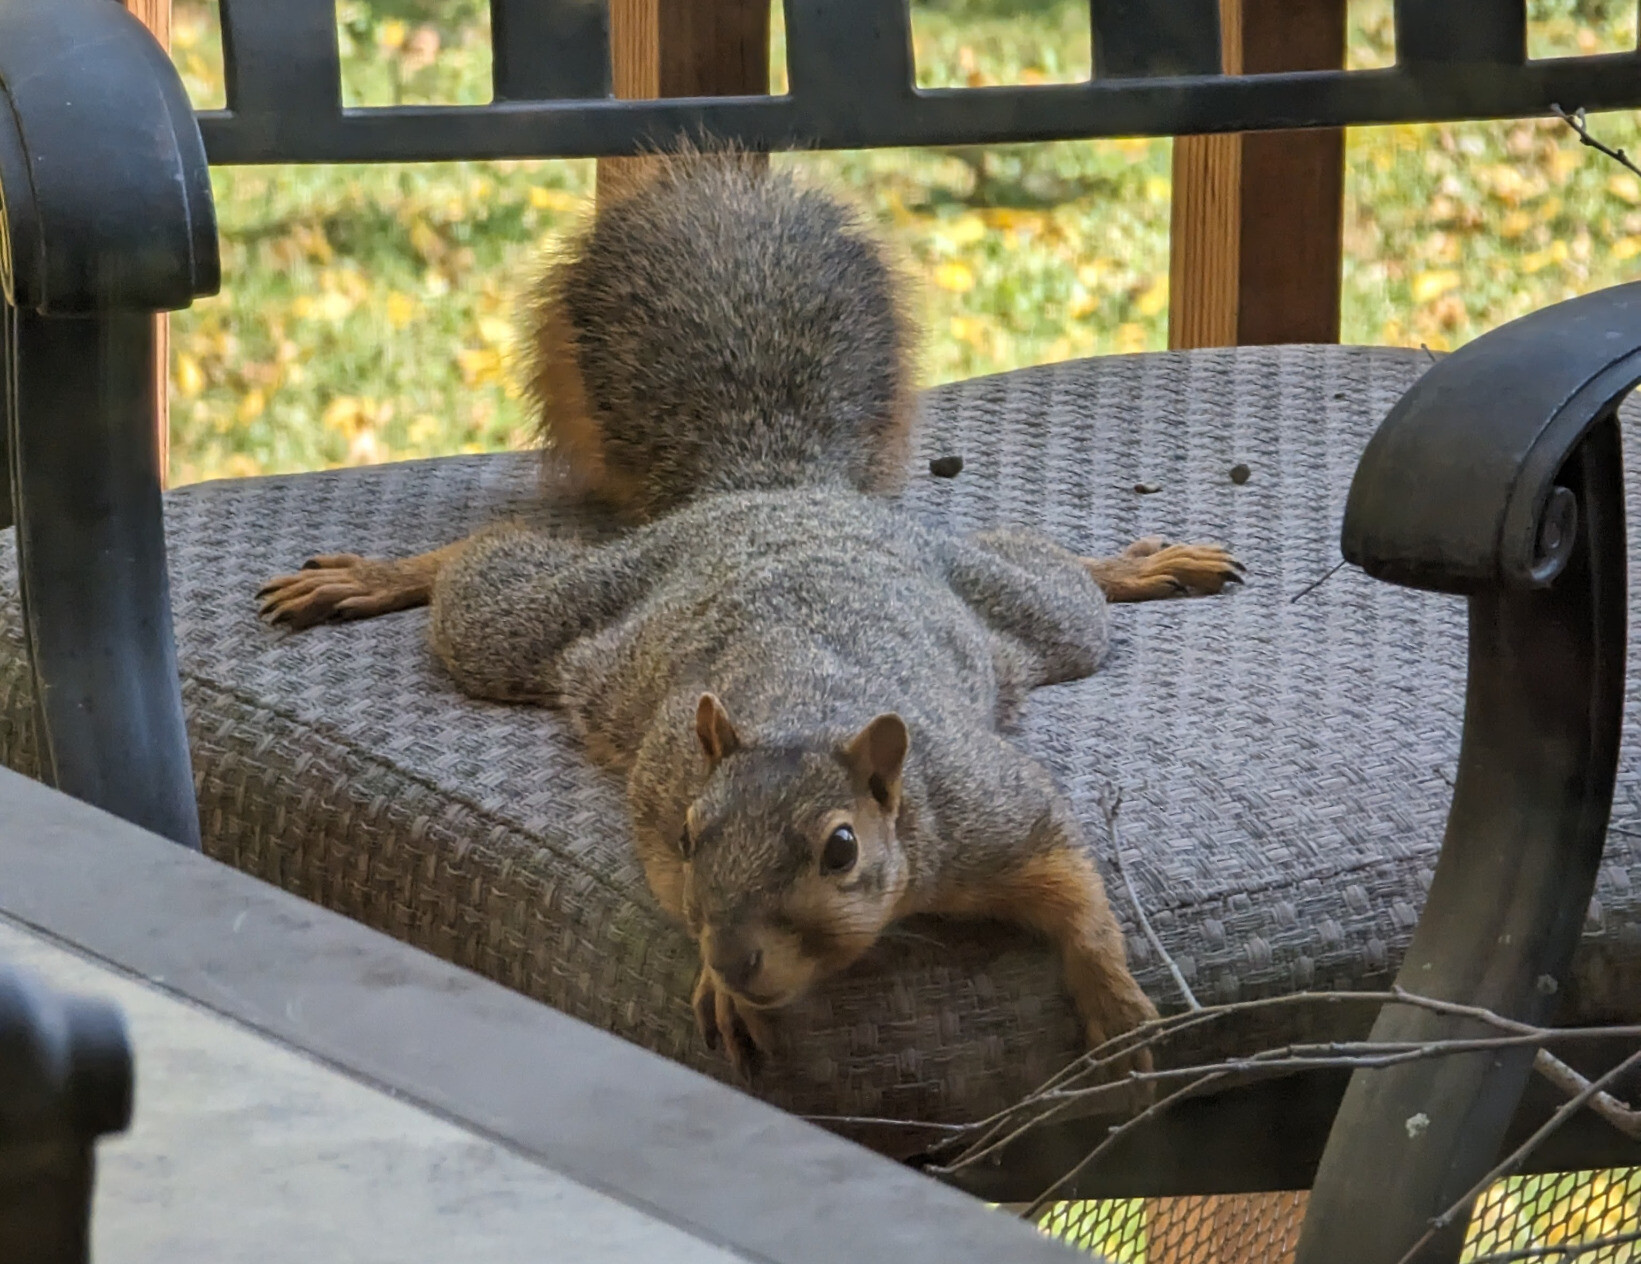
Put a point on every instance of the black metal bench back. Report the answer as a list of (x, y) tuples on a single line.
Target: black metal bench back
[(1157, 72)]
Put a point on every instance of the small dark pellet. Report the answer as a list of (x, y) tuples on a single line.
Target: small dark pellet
[(1240, 474), (946, 466), (1147, 489)]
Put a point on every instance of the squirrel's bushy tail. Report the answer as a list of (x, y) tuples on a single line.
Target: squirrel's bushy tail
[(722, 328)]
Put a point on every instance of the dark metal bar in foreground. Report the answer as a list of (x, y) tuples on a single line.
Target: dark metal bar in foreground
[(1497, 475)]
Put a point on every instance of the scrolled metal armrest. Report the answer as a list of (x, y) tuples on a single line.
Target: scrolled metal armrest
[(105, 197), (1457, 491)]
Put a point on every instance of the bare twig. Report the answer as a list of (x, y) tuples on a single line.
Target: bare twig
[(1563, 1251), (1109, 807), (1621, 1115), (1116, 1134), (1343, 1055), (1069, 1091), (1425, 347), (1309, 588), (1512, 1161), (1575, 120)]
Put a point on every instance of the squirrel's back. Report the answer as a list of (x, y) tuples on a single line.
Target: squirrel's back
[(723, 328)]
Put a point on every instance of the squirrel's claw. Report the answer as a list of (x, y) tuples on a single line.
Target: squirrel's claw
[(336, 586), (744, 1032)]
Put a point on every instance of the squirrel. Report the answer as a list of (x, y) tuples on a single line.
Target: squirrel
[(807, 689)]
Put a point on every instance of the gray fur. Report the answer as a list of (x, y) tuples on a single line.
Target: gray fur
[(711, 312), (808, 612)]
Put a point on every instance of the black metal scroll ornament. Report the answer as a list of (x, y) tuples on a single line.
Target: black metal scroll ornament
[(105, 200), (1498, 476)]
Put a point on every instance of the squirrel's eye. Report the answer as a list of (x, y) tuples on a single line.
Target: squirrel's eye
[(841, 851)]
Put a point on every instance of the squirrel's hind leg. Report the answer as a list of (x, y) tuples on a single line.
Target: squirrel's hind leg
[(1152, 570), (347, 586)]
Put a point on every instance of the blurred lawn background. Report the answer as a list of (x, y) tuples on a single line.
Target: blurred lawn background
[(366, 312)]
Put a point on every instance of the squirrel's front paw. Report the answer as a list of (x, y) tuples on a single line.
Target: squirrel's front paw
[(744, 1032), (332, 586)]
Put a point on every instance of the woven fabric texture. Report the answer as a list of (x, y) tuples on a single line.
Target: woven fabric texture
[(1282, 764)]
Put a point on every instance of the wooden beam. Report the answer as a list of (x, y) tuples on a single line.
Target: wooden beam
[(1258, 218), (156, 16), (683, 48)]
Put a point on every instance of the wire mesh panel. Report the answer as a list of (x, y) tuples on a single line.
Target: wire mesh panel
[(1587, 1217)]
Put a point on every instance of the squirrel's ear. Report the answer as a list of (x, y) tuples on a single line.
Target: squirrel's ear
[(876, 754), (712, 726)]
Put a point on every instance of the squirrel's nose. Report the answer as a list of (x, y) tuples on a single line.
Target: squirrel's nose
[(738, 969)]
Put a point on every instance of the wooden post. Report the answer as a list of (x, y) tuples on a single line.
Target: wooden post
[(156, 16), (1258, 218), (683, 48)]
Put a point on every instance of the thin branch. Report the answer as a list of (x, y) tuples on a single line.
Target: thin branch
[(1344, 1055), (1512, 1161), (878, 1121), (1311, 587), (1113, 1136), (1566, 1250), (1053, 1098), (1575, 120), (1109, 808), (1621, 1115)]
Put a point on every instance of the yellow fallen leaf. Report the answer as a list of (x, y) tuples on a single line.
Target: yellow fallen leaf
[(1158, 189), (1155, 298), (1626, 248), (1428, 286), (343, 413), (426, 242), (479, 365), (1554, 253), (1623, 185), (965, 231), (253, 405), (495, 331), (1514, 224), (1095, 273), (1082, 307), (241, 466), (955, 276), (1506, 183), (1015, 219), (364, 449), (1130, 338), (391, 34), (333, 306), (423, 430), (401, 309), (546, 199), (190, 377)]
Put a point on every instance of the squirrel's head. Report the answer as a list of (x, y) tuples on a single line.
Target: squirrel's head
[(792, 868)]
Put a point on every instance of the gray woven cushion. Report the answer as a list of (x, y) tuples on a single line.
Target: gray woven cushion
[(1281, 763)]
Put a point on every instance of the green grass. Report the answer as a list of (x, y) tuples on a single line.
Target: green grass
[(366, 311)]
